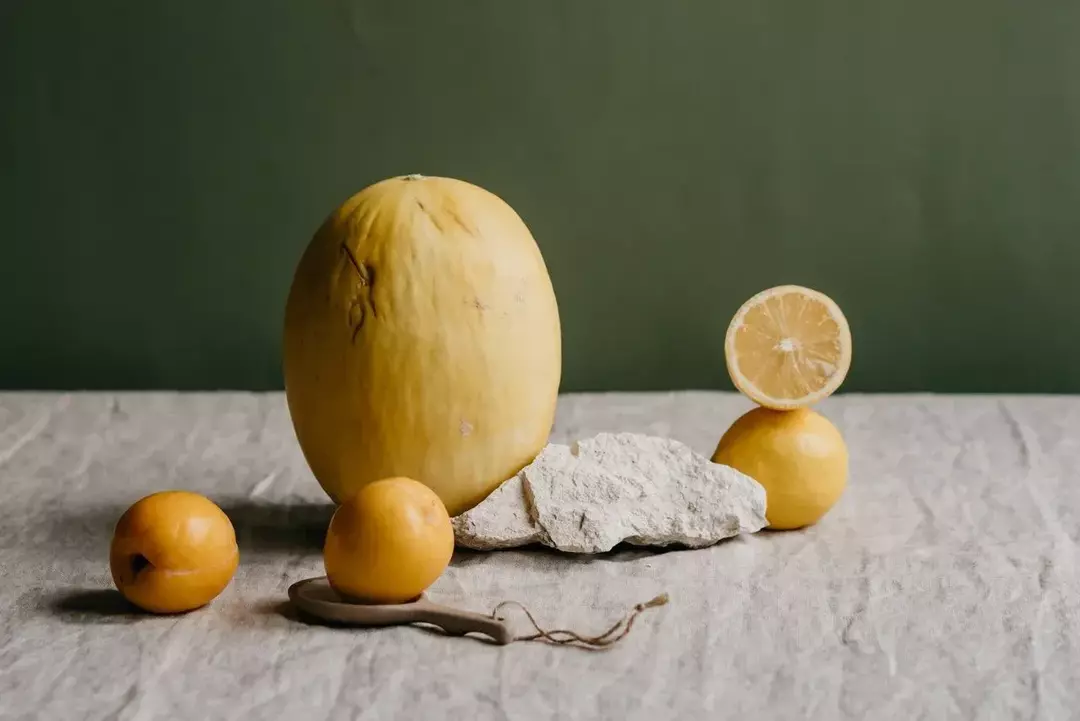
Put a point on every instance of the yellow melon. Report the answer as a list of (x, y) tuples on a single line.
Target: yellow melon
[(422, 339)]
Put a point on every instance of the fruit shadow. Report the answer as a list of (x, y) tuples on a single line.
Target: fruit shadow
[(278, 527), (92, 606), (297, 527)]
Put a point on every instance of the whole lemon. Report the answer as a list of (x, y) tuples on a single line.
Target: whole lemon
[(389, 542), (173, 551), (798, 456)]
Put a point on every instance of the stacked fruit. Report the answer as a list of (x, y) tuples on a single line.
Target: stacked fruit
[(786, 349)]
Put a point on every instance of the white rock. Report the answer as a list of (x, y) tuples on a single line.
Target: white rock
[(501, 521), (590, 496)]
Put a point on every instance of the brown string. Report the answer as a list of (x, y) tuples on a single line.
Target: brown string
[(563, 637)]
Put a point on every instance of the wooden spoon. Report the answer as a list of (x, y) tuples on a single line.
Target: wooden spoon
[(315, 597)]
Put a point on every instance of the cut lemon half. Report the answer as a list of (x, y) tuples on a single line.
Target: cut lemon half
[(788, 347)]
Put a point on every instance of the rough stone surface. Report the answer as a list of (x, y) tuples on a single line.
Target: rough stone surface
[(611, 488), (501, 521)]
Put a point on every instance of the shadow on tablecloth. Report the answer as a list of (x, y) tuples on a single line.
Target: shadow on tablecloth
[(83, 605), (261, 527)]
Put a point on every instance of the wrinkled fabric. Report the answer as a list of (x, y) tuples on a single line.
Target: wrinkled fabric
[(943, 585)]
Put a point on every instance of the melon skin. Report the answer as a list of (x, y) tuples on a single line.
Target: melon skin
[(422, 339)]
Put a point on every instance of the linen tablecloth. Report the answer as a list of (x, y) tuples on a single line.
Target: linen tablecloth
[(943, 585)]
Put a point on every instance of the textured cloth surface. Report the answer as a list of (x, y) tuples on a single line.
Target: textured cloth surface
[(943, 585)]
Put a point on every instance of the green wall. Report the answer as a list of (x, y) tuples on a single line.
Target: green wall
[(163, 164)]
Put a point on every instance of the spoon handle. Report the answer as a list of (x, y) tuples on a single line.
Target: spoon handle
[(457, 623)]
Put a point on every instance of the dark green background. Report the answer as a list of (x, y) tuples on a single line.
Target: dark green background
[(163, 164)]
